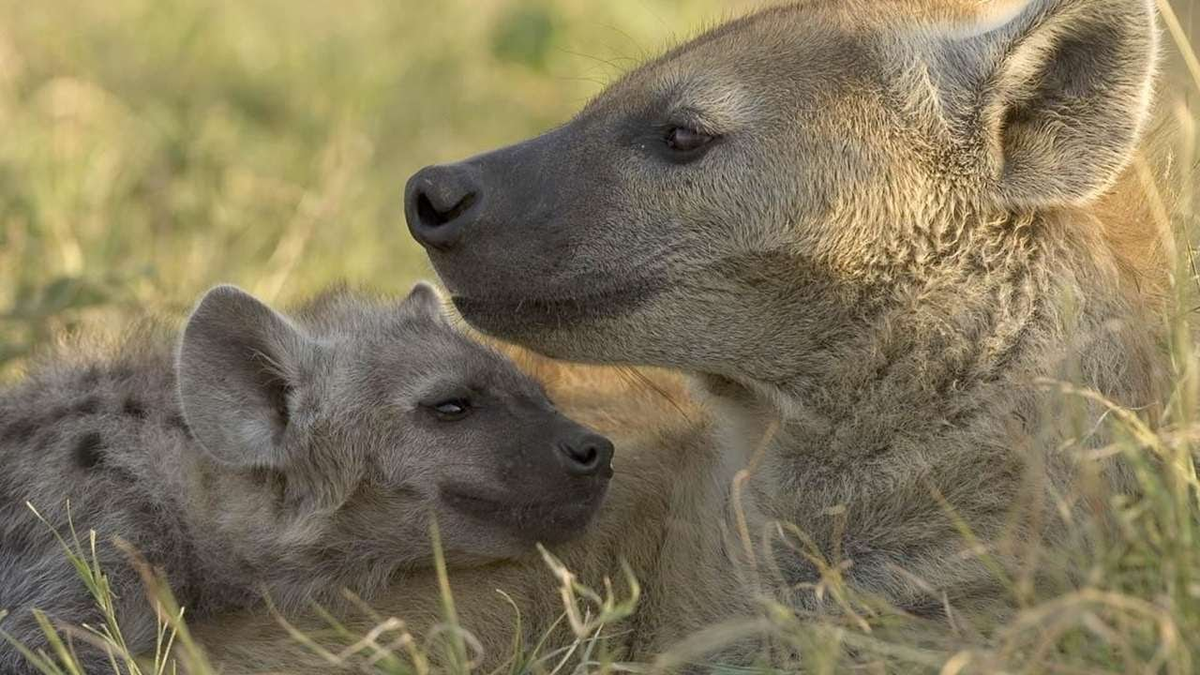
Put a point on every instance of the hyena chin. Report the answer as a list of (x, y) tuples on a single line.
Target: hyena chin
[(297, 455), (877, 222)]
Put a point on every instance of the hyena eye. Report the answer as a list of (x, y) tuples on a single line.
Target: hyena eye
[(452, 409), (686, 140)]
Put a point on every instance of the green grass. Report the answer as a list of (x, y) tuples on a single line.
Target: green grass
[(60, 658), (152, 148)]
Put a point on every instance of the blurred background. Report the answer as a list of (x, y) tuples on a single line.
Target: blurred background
[(152, 148)]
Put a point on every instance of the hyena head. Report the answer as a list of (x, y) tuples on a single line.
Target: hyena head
[(757, 181), (369, 418)]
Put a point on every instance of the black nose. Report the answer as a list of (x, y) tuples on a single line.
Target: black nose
[(440, 202), (587, 454)]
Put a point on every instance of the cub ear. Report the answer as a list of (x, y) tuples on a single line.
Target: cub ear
[(424, 301), (1063, 90), (238, 363)]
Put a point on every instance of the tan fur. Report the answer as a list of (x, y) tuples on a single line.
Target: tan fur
[(908, 216), (912, 215), (1144, 261)]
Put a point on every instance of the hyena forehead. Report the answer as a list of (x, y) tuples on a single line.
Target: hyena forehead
[(714, 99), (447, 365), (345, 313), (411, 352), (786, 56), (814, 48)]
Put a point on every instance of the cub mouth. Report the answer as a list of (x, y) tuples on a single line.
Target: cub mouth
[(547, 520)]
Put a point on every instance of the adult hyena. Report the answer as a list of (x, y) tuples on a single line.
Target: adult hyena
[(294, 455), (874, 220)]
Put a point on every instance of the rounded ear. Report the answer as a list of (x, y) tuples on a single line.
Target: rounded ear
[(1063, 92), (424, 301), (238, 363)]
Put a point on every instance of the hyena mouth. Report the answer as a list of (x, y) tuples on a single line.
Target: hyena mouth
[(518, 314), (548, 521)]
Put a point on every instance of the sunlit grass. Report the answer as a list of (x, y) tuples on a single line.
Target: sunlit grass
[(152, 148), (62, 657)]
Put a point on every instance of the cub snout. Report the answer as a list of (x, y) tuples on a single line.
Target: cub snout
[(547, 490), (586, 454)]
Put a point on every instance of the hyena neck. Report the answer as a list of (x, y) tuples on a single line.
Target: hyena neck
[(294, 552), (966, 340)]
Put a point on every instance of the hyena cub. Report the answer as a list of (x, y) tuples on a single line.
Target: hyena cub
[(293, 455)]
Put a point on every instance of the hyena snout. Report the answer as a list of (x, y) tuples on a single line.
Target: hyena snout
[(585, 453), (547, 485), (442, 202)]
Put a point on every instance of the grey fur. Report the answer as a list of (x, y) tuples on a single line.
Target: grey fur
[(667, 514), (891, 239), (296, 456)]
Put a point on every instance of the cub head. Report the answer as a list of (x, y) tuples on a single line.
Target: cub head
[(763, 179), (379, 417)]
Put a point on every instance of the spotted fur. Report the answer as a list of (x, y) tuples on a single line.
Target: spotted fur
[(293, 456)]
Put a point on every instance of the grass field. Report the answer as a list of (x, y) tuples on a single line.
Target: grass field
[(153, 148)]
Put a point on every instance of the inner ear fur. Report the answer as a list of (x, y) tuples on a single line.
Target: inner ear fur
[(238, 364), (1064, 94), (424, 301)]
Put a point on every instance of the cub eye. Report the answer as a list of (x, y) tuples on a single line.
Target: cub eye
[(452, 409), (685, 140)]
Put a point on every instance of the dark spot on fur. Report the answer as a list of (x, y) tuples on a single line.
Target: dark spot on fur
[(19, 432), (134, 408), (797, 573), (280, 392), (261, 475), (18, 534), (178, 422), (926, 609), (46, 437), (57, 414), (879, 449), (270, 480), (121, 472), (88, 406), (89, 451), (7, 497)]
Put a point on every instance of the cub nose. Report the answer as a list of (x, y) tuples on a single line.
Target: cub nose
[(440, 202), (587, 454)]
